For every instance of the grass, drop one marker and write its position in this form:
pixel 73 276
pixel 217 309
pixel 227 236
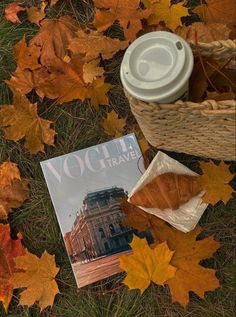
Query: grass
pixel 78 126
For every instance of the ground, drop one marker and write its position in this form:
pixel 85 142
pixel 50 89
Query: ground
pixel 78 126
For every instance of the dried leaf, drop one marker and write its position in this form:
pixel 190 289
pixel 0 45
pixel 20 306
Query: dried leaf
pixel 36 14
pixel 53 38
pixel 215 181
pixel 26 57
pixel 21 120
pixel 92 70
pixel 13 196
pixel 190 276
pixel 146 264
pixel 38 277
pixel 9 250
pixel 112 125
pixel 164 11
pixel 11 11
pixel 127 12
pixel 8 172
pixel 21 81
pixel 92 44
pixel 53 2
pixel 220 96
pixel 204 32
pixel 217 11
pixel 97 93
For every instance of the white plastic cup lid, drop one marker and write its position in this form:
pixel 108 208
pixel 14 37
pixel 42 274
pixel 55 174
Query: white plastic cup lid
pixel 157 67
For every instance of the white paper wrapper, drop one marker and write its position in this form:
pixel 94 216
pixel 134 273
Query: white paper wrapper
pixel 187 216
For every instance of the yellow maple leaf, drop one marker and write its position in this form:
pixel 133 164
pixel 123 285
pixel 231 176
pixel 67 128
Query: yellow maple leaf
pixel 164 11
pixel 8 172
pixel 215 181
pixel 146 264
pixel 217 11
pixel 189 251
pixel 112 125
pixel 97 92
pixel 38 277
pixel 21 120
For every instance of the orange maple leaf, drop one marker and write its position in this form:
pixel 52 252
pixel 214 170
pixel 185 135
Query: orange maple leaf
pixel 92 70
pixel 8 172
pixel 146 264
pixel 127 12
pixel 36 14
pixel 21 120
pixel 9 250
pixel 215 181
pixel 37 276
pixel 97 92
pixel 112 125
pixel 92 44
pixel 11 11
pixel 217 11
pixel 190 275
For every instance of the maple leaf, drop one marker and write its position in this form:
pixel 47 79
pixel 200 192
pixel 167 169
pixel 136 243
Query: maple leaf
pixel 53 38
pixel 217 11
pixel 21 120
pixel 215 181
pixel 163 10
pixel 53 2
pixel 204 32
pixel 38 278
pixel 97 93
pixel 112 125
pixel 93 44
pixel 146 264
pixel 21 81
pixel 9 250
pixel 11 11
pixel 127 12
pixel 12 196
pixel 8 172
pixel 26 57
pixel 36 14
pixel 190 276
pixel 92 70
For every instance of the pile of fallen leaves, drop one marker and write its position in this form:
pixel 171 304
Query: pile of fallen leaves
pixel 65 61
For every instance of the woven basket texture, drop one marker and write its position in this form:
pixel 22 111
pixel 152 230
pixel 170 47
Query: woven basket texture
pixel 206 129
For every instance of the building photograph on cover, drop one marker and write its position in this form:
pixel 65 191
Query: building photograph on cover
pixel 86 188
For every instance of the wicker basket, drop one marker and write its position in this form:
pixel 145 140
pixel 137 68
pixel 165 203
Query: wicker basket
pixel 204 129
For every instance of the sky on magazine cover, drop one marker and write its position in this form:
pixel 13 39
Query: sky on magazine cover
pixel 68 196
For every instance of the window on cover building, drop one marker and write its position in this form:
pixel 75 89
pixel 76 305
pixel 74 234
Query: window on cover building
pixel 101 232
pixel 112 229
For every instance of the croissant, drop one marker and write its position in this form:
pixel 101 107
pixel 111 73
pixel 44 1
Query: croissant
pixel 168 190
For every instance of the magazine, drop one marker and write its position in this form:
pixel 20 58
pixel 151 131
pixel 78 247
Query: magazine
pixel 85 187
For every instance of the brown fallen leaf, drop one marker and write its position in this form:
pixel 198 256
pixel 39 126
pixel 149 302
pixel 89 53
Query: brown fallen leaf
pixel 26 57
pixel 127 12
pixel 217 11
pixel 8 172
pixel 37 276
pixel 215 181
pixel 189 251
pixel 53 2
pixel 163 10
pixel 21 81
pixel 53 38
pixel 112 125
pixel 145 264
pixel 9 250
pixel 11 11
pixel 93 44
pixel 13 196
pixel 36 14
pixel 92 70
pixel 204 32
pixel 21 120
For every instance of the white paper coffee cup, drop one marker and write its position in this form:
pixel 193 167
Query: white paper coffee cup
pixel 157 67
